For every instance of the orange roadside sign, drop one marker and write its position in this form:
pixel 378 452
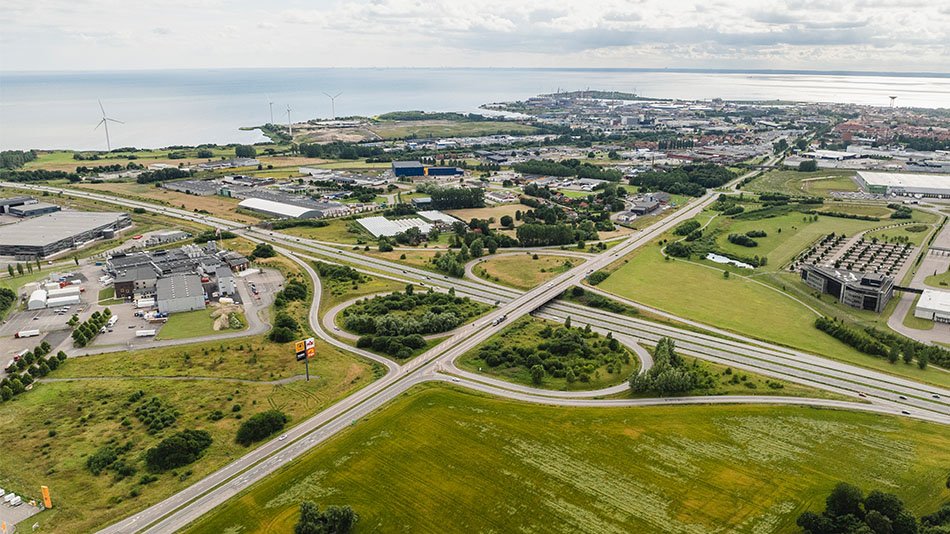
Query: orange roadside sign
pixel 47 502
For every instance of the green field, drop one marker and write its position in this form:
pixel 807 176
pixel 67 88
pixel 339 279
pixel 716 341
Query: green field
pixel 739 304
pixel 188 324
pixel 912 233
pixel 910 321
pixel 788 235
pixel 939 280
pixel 522 271
pixel 338 231
pixel 440 460
pixel 792 182
pixel 58 424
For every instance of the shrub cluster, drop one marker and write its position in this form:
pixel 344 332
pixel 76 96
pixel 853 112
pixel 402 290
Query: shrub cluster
pixel 177 450
pixel 261 426
pixel 670 375
pixel 89 329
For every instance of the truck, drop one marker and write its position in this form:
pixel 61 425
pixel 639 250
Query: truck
pixel 499 320
pixel 112 320
pixel 27 333
pixel 144 333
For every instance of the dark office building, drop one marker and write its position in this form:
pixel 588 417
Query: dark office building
pixel 864 291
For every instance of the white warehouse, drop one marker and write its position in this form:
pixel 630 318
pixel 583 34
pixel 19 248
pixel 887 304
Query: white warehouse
pixel 906 184
pixel 934 305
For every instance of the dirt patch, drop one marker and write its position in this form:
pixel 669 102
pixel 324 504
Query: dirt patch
pixel 222 313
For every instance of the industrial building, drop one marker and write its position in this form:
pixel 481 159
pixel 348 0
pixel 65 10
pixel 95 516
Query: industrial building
pixel 49 234
pixel 381 226
pixel 864 291
pixel 282 209
pixel 138 274
pixel 905 184
pixel 179 293
pixel 224 278
pixel 7 203
pixel 934 305
pixel 33 209
pixel 415 168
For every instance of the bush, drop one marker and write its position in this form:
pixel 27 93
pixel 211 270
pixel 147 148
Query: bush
pixel 281 334
pixel 260 426
pixel 597 277
pixel 263 250
pixel 742 240
pixel 177 450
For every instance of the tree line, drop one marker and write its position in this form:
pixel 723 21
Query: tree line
pixel 161 175
pixel 849 511
pixel 568 167
pixel 31 365
pixel 692 180
pixel 449 198
pixel 14 159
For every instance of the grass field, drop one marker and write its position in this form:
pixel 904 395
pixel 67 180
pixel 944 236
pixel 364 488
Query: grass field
pixel 416 258
pixel 913 233
pixel 521 271
pixel 187 324
pixel 792 182
pixel 58 424
pixel 343 231
pixel 939 280
pixel 440 460
pixel 740 305
pixel 788 235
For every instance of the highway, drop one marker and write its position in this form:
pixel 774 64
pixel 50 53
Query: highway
pixel 882 391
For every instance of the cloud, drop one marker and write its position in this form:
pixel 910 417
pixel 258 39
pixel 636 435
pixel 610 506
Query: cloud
pixel 846 34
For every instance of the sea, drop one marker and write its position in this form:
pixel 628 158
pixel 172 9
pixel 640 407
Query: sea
pixel 160 108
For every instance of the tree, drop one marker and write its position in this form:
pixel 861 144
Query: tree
pixel 894 354
pixel 19 269
pixel 567 322
pixel 506 221
pixel 245 151
pixel 808 165
pixel 922 359
pixel 537 374
pixel 10 270
pixel 263 250
pixel 335 520
pixel 844 499
pixel 280 334
pixel 261 425
pixel 177 450
pixel 206 153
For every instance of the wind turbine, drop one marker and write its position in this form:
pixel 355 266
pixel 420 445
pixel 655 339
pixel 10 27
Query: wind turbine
pixel 271 112
pixel 333 103
pixel 290 125
pixel 105 124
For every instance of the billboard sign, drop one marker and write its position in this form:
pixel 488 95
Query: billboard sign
pixel 300 349
pixel 47 502
pixel 311 347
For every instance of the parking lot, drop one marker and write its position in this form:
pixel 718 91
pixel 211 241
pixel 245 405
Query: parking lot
pixel 16 517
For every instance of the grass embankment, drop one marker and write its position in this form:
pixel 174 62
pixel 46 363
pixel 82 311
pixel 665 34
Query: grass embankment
pixel 190 324
pixel 524 271
pixel 440 460
pixel 58 425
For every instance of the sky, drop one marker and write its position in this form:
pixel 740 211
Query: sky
pixel 868 35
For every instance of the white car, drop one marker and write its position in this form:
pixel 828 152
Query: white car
pixel 282 438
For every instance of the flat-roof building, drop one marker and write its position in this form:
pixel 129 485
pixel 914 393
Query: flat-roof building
pixel 179 293
pixel 381 226
pixel 52 233
pixel 33 209
pixel 905 183
pixel 864 291
pixel 282 209
pixel 934 305
pixel 7 203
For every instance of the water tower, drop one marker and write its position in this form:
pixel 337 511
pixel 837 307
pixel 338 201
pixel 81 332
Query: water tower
pixel 893 98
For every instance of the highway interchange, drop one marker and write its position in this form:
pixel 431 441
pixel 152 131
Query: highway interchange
pixel 873 391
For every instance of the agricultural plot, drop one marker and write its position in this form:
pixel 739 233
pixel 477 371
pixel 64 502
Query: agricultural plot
pixel 438 460
pixel 424 129
pixel 496 212
pixel 343 231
